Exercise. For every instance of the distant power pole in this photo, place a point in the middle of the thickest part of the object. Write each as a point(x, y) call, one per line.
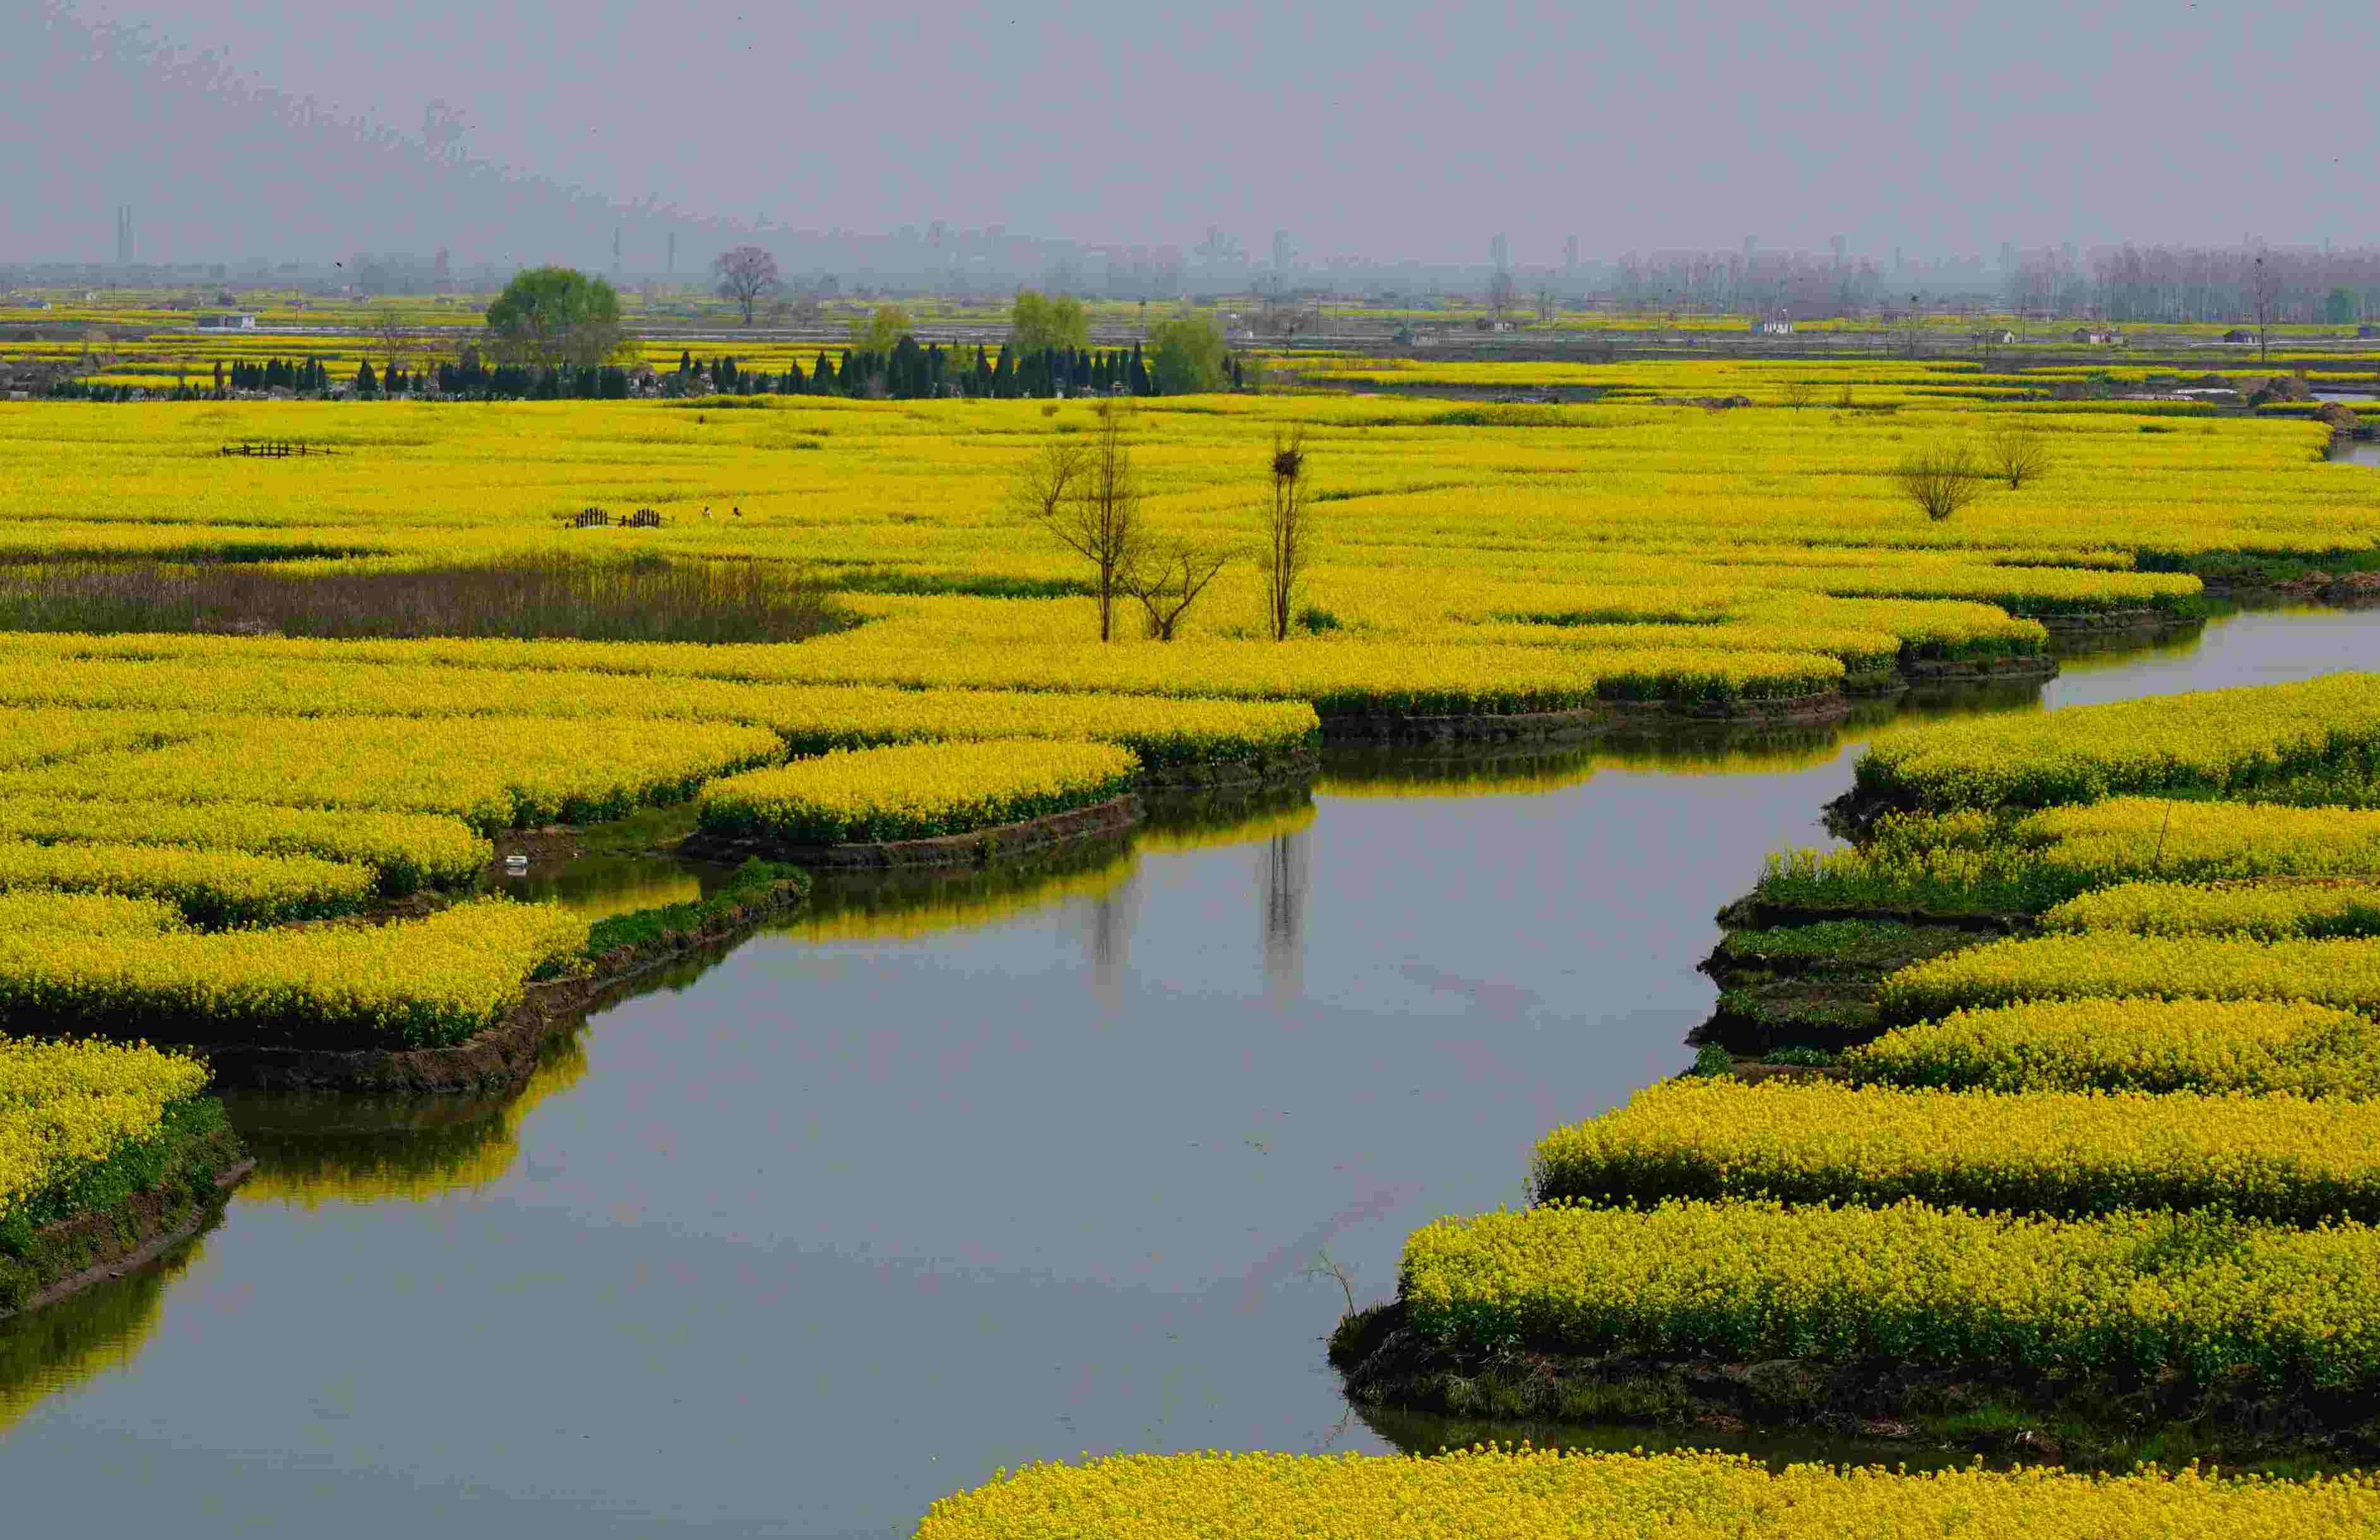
point(124, 235)
point(672, 254)
point(615, 253)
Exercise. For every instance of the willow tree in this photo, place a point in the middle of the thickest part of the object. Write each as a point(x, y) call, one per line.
point(555, 318)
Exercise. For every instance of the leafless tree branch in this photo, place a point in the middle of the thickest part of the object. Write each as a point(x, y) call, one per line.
point(1088, 498)
point(1327, 1265)
point(2019, 453)
point(1940, 481)
point(1169, 579)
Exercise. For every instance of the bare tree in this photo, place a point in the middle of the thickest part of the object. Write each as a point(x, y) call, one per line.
point(404, 345)
point(1940, 481)
point(1798, 394)
point(1167, 581)
point(1327, 1265)
point(2265, 289)
point(1046, 486)
point(745, 274)
point(394, 337)
point(1288, 529)
point(1088, 497)
point(1500, 292)
point(2019, 453)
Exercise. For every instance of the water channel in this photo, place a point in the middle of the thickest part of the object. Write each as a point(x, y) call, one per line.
point(954, 1176)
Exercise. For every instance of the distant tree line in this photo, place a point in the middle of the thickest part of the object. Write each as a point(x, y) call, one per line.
point(2201, 284)
point(2243, 284)
point(1751, 283)
point(557, 334)
point(907, 372)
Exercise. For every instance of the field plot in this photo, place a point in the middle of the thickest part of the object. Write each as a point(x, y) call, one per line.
point(269, 722)
point(268, 691)
point(104, 1149)
point(2063, 1092)
point(1521, 1494)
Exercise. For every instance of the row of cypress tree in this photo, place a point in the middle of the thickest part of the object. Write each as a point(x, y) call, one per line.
point(908, 372)
point(294, 374)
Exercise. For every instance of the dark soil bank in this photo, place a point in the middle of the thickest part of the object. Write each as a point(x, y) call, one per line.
point(2088, 1421)
point(1821, 998)
point(78, 1251)
point(976, 848)
point(501, 1058)
point(1586, 721)
point(1216, 774)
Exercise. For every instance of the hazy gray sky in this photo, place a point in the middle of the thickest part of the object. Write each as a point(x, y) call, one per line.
point(1384, 128)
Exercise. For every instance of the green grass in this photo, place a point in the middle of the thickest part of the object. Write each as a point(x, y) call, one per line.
point(647, 828)
point(194, 1140)
point(1825, 939)
point(987, 585)
point(643, 927)
point(2014, 883)
point(1840, 945)
point(1711, 1059)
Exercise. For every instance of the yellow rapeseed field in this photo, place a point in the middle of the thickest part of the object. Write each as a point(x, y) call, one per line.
point(915, 792)
point(2268, 912)
point(165, 796)
point(2223, 741)
point(2344, 973)
point(2132, 1045)
point(1744, 1280)
point(67, 1105)
point(2291, 1158)
point(1525, 1494)
point(410, 983)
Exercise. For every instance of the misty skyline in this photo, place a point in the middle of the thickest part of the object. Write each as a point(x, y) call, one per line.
point(533, 132)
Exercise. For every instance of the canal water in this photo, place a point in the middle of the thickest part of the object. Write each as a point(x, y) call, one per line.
point(947, 1176)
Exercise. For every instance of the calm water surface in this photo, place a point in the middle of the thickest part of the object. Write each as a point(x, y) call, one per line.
point(947, 1176)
